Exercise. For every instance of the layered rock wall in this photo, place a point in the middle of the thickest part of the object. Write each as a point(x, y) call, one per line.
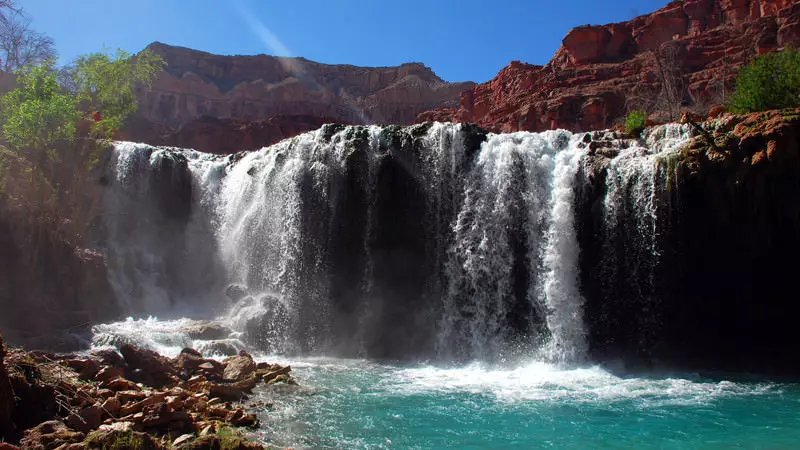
point(281, 96)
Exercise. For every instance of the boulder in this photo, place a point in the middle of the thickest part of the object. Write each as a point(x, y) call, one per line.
point(190, 362)
point(109, 358)
point(111, 407)
point(224, 347)
point(49, 435)
point(236, 292)
point(239, 367)
point(148, 367)
point(134, 408)
point(207, 331)
point(108, 373)
point(120, 384)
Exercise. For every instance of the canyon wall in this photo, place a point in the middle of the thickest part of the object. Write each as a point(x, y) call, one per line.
point(282, 96)
point(601, 72)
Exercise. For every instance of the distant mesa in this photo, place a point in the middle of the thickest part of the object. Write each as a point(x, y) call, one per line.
point(258, 100)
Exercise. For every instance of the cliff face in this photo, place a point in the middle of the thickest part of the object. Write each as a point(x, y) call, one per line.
point(286, 92)
point(51, 291)
point(602, 71)
point(713, 285)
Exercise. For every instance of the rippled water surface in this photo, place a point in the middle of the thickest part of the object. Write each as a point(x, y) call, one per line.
point(359, 404)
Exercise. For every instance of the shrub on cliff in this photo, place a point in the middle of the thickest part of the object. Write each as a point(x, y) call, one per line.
point(770, 81)
point(635, 122)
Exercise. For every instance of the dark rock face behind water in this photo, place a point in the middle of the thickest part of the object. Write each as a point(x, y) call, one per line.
point(721, 294)
point(600, 71)
point(231, 103)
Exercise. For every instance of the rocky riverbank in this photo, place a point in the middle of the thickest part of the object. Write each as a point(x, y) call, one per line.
point(131, 398)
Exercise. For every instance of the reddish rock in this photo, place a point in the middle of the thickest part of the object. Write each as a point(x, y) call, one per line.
point(148, 367)
point(238, 368)
point(283, 95)
point(49, 435)
point(601, 71)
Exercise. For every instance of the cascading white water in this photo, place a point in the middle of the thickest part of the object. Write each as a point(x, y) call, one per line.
point(635, 182)
point(298, 231)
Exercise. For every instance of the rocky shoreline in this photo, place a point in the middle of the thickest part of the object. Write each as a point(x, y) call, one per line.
point(131, 398)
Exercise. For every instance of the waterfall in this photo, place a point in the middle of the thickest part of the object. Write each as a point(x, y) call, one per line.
point(435, 240)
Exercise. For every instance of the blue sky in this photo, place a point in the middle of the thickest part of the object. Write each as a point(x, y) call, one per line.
point(459, 40)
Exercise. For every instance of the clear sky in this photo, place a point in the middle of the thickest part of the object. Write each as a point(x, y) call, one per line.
point(460, 40)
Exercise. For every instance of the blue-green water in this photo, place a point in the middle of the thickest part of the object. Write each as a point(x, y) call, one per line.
point(360, 404)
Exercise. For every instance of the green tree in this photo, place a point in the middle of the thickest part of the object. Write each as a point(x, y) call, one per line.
point(56, 131)
point(770, 81)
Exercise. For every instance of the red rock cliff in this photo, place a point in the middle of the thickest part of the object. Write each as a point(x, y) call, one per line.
point(602, 71)
point(284, 94)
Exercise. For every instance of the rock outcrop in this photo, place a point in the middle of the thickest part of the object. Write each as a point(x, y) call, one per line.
point(202, 100)
point(712, 287)
point(601, 71)
point(91, 402)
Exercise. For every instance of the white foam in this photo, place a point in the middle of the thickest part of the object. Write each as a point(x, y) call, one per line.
point(543, 382)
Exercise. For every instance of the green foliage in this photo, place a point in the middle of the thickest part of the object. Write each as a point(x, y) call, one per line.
point(106, 84)
point(230, 439)
point(770, 81)
point(56, 124)
point(126, 440)
point(38, 112)
point(635, 121)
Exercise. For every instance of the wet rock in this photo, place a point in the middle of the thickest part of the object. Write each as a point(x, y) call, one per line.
point(273, 373)
point(108, 373)
point(232, 391)
point(49, 435)
point(207, 331)
point(120, 384)
point(239, 367)
point(139, 406)
point(148, 367)
point(191, 362)
point(131, 396)
point(92, 416)
point(161, 418)
point(112, 407)
point(109, 358)
point(7, 446)
point(236, 292)
point(226, 347)
point(238, 418)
